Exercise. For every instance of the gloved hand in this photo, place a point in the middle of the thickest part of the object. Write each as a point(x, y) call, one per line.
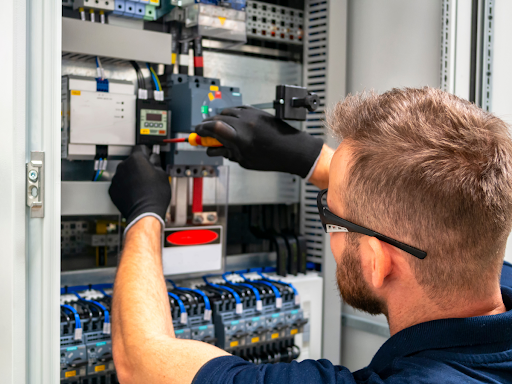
point(140, 189)
point(259, 141)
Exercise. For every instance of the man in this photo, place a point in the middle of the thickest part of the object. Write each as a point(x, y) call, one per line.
point(421, 181)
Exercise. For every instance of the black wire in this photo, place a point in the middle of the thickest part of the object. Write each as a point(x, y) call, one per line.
point(141, 81)
point(134, 65)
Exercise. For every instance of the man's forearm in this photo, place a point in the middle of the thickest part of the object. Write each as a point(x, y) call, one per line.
point(141, 306)
point(320, 175)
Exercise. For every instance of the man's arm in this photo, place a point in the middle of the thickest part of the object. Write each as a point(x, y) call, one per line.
point(145, 348)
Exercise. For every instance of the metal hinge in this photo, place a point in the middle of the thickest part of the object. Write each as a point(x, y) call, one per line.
point(35, 184)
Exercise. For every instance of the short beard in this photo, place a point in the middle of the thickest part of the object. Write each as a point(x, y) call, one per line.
point(352, 286)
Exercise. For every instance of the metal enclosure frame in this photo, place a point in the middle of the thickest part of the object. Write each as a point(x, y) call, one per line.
point(12, 193)
point(325, 74)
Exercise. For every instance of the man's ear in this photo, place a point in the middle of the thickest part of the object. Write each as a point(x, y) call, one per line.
point(380, 261)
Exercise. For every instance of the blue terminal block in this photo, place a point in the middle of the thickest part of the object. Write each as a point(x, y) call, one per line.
point(119, 7)
point(140, 11)
point(129, 9)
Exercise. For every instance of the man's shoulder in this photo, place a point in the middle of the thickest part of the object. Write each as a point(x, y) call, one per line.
point(506, 274)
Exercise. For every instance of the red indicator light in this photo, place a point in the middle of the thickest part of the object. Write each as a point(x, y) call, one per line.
point(273, 33)
point(218, 95)
point(192, 237)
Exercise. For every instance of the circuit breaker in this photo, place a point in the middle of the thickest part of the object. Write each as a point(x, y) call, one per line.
point(92, 117)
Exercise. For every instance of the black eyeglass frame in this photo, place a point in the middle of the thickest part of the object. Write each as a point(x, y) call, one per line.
point(333, 223)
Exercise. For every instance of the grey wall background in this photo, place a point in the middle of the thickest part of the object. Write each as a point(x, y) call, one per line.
point(392, 43)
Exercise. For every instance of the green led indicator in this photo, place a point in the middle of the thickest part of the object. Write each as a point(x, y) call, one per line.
point(202, 328)
point(179, 332)
point(71, 349)
point(102, 343)
point(236, 94)
point(204, 109)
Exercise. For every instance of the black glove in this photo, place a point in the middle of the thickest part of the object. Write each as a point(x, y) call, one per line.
point(140, 189)
point(259, 141)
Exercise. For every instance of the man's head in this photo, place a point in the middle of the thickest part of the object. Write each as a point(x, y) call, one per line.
point(427, 169)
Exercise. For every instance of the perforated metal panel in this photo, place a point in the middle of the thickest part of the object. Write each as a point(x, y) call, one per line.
point(487, 54)
point(315, 79)
point(448, 35)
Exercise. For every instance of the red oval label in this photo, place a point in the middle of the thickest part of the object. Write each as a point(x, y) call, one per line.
point(194, 237)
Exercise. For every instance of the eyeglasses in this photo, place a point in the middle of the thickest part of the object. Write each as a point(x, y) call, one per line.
point(333, 223)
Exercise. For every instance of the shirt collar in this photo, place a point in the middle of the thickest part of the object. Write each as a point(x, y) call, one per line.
point(447, 333)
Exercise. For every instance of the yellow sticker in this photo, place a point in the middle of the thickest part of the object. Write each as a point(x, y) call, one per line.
point(155, 1)
point(294, 331)
point(99, 368)
point(70, 373)
point(214, 88)
point(173, 58)
point(222, 20)
point(233, 344)
point(255, 340)
point(144, 131)
point(76, 93)
point(211, 96)
point(275, 335)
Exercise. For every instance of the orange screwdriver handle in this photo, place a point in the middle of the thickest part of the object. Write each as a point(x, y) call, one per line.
point(195, 140)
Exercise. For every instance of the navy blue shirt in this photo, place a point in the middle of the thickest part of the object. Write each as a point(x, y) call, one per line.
point(470, 350)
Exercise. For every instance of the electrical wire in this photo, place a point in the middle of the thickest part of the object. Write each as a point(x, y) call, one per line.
point(295, 292)
point(239, 306)
point(106, 324)
point(183, 311)
point(155, 77)
point(78, 323)
point(99, 69)
point(141, 81)
point(97, 174)
point(259, 303)
point(207, 305)
point(279, 299)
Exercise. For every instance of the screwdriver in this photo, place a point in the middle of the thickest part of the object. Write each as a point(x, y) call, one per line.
point(195, 140)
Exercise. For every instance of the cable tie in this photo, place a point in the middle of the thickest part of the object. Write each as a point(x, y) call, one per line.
point(158, 95)
point(143, 94)
point(78, 333)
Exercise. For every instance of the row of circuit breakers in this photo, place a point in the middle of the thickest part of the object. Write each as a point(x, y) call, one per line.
point(247, 314)
point(108, 114)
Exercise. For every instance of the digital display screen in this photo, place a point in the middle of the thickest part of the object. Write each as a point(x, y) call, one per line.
point(153, 117)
